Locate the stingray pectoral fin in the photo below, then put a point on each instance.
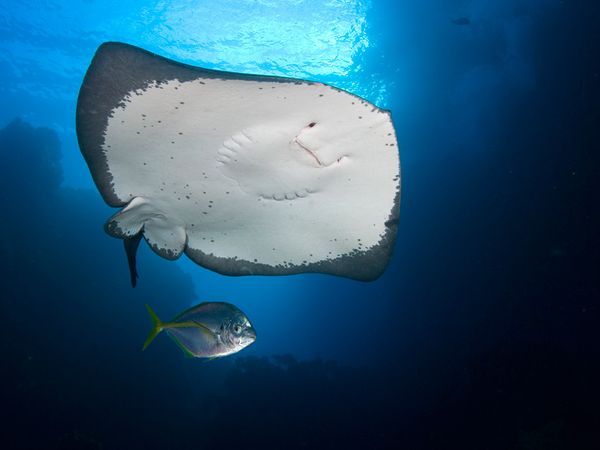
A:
(165, 237)
(129, 221)
(141, 218)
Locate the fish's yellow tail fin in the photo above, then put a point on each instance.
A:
(157, 327)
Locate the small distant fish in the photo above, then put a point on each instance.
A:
(461, 21)
(208, 330)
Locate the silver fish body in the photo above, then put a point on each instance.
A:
(207, 330)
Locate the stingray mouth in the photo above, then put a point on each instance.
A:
(314, 156)
(308, 150)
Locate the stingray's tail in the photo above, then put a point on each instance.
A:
(157, 327)
(131, 246)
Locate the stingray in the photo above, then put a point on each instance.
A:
(245, 174)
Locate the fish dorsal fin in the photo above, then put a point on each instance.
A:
(187, 311)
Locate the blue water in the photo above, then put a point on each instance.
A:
(483, 331)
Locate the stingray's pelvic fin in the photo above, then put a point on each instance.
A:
(131, 245)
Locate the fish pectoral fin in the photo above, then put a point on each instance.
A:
(194, 338)
(204, 328)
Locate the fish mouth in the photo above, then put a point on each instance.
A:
(249, 336)
(251, 333)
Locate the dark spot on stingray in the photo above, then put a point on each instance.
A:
(389, 134)
(312, 124)
(137, 132)
(182, 103)
(260, 88)
(180, 133)
(204, 212)
(160, 121)
(227, 192)
(392, 145)
(360, 117)
(212, 240)
(172, 142)
(391, 222)
(143, 115)
(145, 164)
(320, 95)
(187, 196)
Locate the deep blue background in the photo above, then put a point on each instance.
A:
(482, 333)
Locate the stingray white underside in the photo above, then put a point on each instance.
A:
(282, 174)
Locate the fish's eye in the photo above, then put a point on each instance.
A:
(237, 328)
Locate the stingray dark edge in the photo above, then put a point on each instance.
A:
(365, 265)
(118, 69)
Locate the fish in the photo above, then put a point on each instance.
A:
(244, 174)
(463, 21)
(208, 330)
